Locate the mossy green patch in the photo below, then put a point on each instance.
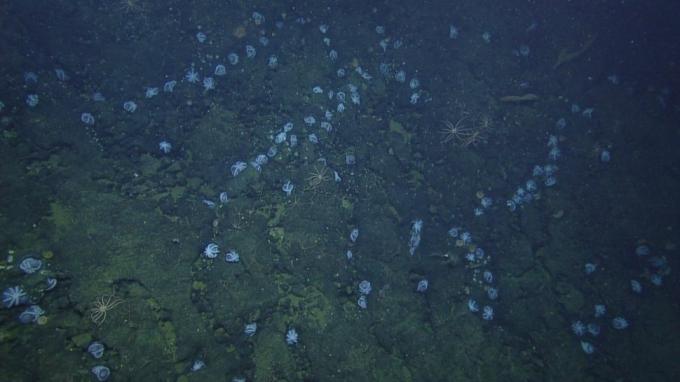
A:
(309, 306)
(278, 211)
(272, 357)
(570, 297)
(194, 183)
(80, 341)
(346, 204)
(9, 134)
(278, 235)
(397, 128)
(415, 178)
(61, 217)
(177, 192)
(199, 286)
(206, 190)
(391, 368)
(149, 165)
(360, 357)
(169, 339)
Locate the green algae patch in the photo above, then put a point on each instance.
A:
(273, 358)
(177, 192)
(247, 180)
(194, 183)
(199, 286)
(44, 167)
(61, 218)
(9, 134)
(278, 235)
(206, 190)
(283, 283)
(415, 178)
(346, 204)
(169, 338)
(360, 357)
(398, 129)
(149, 165)
(571, 299)
(391, 211)
(81, 341)
(391, 368)
(309, 306)
(217, 125)
(273, 214)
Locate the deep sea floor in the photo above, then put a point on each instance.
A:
(335, 191)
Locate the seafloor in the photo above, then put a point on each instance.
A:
(111, 216)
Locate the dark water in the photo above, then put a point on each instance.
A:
(510, 168)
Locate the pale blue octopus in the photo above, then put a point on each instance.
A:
(635, 286)
(232, 256)
(488, 277)
(291, 336)
(272, 61)
(238, 167)
(31, 314)
(51, 284)
(473, 306)
(487, 313)
(61, 74)
(191, 75)
(288, 188)
(30, 265)
(151, 92)
(208, 84)
(578, 328)
(169, 86)
(250, 329)
(354, 235)
(14, 296)
(96, 349)
(211, 251)
(362, 302)
(280, 138)
(102, 373)
(422, 286)
(587, 347)
(593, 329)
(165, 147)
(87, 118)
(130, 106)
(619, 323)
(30, 77)
(250, 51)
(259, 161)
(365, 287)
(197, 365)
(492, 293)
(32, 100)
(258, 18)
(233, 58)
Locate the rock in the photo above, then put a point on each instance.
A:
(571, 298)
(81, 340)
